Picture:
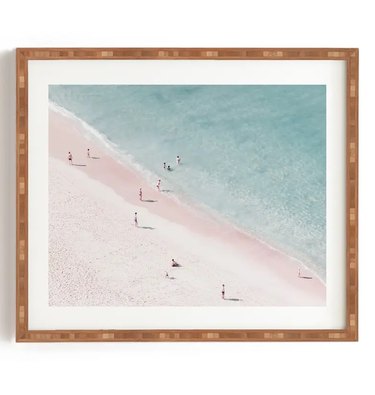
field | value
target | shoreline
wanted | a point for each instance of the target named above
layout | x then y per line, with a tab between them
127	161
254	255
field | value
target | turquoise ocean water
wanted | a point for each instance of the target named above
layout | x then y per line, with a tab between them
255	154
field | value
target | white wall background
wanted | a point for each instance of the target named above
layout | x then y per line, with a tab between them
259	368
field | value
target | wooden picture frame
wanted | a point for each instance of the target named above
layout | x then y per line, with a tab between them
349	56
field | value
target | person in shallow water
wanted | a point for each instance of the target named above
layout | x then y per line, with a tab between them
164	165
169	168
178	160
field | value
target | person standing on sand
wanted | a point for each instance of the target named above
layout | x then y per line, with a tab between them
299	272
88	152
174	263
178	160
223	292
140	194
158	185
70	158
135	219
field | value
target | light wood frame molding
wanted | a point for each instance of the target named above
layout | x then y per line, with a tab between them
349	55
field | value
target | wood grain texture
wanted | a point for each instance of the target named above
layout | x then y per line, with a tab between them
349	55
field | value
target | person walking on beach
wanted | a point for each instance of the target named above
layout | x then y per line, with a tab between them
88	152
70	158
158	185
140	194
135	219
178	160
223	292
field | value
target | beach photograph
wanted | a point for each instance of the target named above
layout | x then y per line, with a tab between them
187	195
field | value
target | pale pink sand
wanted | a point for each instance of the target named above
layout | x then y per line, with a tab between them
94	205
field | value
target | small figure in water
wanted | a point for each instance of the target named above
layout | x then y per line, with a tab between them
135	219
158	185
174	263
88	152
178	160
70	158
223	292
165	165
169	168
140	194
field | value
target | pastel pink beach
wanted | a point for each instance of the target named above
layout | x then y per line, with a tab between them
98	257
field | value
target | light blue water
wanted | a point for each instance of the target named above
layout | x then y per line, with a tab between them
254	154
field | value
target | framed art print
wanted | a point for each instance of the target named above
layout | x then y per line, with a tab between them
187	194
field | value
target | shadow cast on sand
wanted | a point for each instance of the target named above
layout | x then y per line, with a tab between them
146	227
149	201
77	164
306	277
234	299
94	157
166	190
